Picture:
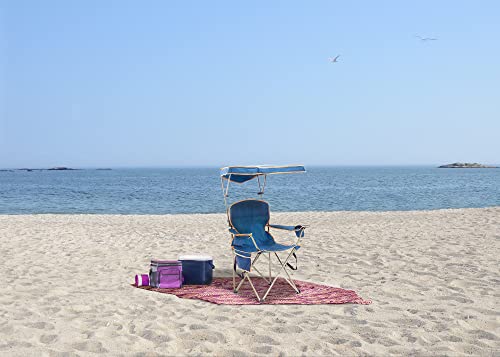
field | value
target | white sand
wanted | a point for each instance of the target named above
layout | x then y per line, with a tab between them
433	277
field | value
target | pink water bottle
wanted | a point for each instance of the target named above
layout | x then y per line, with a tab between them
141	280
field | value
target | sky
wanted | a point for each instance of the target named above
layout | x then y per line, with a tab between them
215	83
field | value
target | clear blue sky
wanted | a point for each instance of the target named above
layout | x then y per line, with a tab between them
164	83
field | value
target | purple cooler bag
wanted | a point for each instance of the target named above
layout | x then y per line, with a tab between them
165	274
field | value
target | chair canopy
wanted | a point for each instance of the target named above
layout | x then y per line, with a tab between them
242	174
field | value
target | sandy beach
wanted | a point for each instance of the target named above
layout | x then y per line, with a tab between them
433	277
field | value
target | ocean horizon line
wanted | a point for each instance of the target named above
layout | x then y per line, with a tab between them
133	167
274	211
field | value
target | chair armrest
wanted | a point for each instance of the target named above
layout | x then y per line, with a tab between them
236	234
241	239
299	229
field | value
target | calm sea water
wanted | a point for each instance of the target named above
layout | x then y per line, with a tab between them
198	190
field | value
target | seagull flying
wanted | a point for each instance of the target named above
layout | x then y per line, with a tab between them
334	59
425	39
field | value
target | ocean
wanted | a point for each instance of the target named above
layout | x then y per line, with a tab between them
198	190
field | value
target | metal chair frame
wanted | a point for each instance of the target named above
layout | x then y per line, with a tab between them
241	174
270	280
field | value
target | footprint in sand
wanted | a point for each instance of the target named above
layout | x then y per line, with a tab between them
154	337
456	297
90	346
204	335
42	325
355	344
485	335
452	338
235	353
197	327
46	339
266	340
220	318
337	341
265	350
288	329
408	322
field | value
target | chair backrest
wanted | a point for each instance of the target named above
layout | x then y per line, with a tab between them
251	216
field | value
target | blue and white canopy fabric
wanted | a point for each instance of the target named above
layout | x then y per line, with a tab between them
242	174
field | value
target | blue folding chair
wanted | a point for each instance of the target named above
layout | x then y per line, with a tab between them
250	231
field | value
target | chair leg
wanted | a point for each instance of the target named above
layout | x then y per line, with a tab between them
271	281
270	276
283	268
236	289
234	272
289	280
258	271
256	258
246	276
253	288
261	275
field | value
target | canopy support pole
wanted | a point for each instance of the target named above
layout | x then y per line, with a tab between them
263	186
225	190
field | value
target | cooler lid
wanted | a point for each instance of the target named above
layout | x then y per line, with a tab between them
195	257
160	261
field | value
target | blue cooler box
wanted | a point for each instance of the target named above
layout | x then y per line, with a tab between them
197	269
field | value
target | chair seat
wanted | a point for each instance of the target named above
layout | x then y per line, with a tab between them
277	247
243	258
246	245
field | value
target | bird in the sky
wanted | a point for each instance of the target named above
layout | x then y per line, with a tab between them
334	59
425	39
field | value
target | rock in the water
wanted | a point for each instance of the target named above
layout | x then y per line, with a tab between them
466	165
60	168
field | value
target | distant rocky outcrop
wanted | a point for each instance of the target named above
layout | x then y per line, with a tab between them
56	168
60	168
466	165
